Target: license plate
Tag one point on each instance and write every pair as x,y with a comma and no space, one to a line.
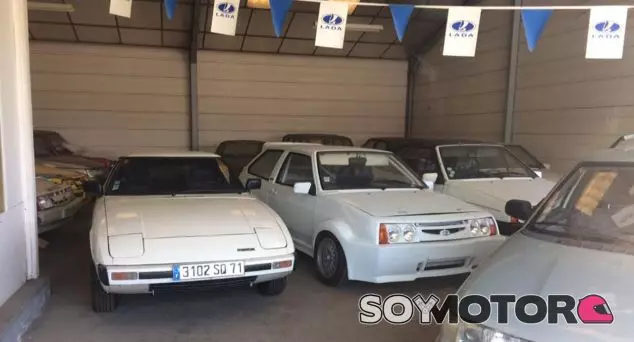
208,271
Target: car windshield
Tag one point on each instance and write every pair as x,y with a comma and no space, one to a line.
41,148
482,161
60,145
526,157
165,175
345,170
593,208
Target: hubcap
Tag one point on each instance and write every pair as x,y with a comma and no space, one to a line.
327,257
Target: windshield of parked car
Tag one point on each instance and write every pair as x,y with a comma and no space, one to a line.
482,161
593,208
525,156
58,143
345,170
41,147
171,175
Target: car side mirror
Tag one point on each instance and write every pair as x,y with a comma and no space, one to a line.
302,188
539,173
253,184
92,187
430,179
546,166
519,209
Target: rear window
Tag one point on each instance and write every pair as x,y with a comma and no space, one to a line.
593,208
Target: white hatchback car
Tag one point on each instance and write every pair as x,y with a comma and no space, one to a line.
178,221
486,175
578,242
362,215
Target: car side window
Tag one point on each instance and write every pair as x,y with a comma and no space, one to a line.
380,145
421,160
264,165
368,144
296,168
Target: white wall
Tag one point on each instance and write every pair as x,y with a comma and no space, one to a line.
111,98
18,237
258,96
465,97
567,106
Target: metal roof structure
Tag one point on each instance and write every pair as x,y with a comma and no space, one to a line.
149,26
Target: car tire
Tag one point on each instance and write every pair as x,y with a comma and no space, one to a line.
330,261
272,288
102,301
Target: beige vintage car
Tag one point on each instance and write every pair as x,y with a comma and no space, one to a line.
56,204
58,175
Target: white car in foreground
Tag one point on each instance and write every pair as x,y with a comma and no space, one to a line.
577,243
487,175
362,215
178,221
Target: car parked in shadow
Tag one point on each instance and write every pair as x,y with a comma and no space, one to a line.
319,138
236,154
49,151
483,174
56,204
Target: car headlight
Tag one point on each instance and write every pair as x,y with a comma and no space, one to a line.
396,232
466,332
483,226
44,202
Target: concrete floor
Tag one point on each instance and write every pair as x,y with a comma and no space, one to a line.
306,311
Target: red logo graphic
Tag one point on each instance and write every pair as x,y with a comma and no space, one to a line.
594,309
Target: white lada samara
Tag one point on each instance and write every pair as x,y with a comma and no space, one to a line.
362,215
178,221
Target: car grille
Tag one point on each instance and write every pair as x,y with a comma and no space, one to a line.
443,228
204,285
433,265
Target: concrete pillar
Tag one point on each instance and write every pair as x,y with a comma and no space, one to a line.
18,223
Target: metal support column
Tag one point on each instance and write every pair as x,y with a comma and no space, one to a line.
512,79
193,78
412,69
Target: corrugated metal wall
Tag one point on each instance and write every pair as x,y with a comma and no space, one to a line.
122,99
111,99
465,97
567,106
258,96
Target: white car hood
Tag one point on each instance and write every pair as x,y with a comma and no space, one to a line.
402,203
186,216
526,265
494,193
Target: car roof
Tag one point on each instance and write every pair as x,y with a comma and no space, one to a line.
398,142
309,148
174,154
315,135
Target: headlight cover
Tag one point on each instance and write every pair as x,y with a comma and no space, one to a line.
44,202
398,232
466,332
483,226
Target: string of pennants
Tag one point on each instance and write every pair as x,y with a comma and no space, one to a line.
606,27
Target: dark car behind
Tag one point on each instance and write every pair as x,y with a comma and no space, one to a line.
238,153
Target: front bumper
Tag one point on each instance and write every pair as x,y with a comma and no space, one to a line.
55,217
158,278
411,261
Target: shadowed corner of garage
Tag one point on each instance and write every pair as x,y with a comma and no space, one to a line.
100,86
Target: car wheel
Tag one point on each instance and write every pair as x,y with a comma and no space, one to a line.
330,261
273,287
101,300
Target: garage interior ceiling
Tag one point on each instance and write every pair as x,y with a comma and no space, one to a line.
149,26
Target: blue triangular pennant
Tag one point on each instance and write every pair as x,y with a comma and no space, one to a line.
170,7
400,15
534,24
279,8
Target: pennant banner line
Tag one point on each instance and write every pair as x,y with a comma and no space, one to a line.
484,8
